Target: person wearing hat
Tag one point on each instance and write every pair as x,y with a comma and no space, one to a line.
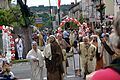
36,61
53,58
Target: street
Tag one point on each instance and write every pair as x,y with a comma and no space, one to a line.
22,71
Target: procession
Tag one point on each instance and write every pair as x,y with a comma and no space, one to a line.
33,47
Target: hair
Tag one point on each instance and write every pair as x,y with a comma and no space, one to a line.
74,44
34,42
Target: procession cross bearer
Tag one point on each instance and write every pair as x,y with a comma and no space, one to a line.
36,61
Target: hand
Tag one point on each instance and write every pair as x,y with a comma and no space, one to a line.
35,60
103,40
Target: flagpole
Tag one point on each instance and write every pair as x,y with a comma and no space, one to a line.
59,1
50,15
59,16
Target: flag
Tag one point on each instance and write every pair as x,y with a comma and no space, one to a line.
59,1
1,27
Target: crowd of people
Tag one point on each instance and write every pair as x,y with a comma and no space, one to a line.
95,54
91,52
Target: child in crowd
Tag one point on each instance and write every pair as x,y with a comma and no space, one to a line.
76,57
5,69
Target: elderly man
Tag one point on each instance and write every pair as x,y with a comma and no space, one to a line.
87,56
37,62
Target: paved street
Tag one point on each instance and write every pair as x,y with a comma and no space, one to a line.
22,71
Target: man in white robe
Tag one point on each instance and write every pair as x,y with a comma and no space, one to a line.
87,56
36,61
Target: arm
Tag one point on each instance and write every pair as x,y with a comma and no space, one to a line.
108,49
31,57
93,53
67,45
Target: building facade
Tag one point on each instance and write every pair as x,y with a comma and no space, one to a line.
75,10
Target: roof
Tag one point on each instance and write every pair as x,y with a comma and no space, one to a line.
74,6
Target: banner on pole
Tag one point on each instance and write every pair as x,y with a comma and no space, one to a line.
59,1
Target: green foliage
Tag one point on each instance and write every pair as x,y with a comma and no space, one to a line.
70,25
81,19
12,17
19,61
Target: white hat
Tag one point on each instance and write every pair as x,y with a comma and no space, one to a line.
34,42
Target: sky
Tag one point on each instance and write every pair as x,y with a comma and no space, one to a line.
46,2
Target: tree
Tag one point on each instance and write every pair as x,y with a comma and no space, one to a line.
13,17
81,19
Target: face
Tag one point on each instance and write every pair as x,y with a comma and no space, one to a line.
59,37
34,46
51,39
86,41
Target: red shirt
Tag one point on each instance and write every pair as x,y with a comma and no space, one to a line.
106,74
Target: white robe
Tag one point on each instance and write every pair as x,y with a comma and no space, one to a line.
36,67
85,56
47,51
20,48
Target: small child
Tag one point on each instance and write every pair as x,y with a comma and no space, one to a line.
6,72
76,57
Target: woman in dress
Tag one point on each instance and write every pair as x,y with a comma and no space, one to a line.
76,57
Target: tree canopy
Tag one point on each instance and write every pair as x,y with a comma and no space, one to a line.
12,17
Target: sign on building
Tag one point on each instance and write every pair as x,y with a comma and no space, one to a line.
39,22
